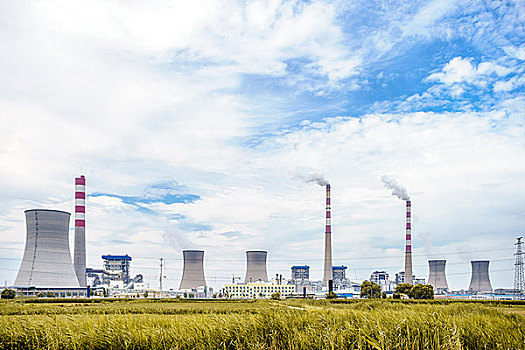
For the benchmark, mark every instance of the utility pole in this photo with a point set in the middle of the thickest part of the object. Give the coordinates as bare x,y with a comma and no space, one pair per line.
234,278
160,277
519,278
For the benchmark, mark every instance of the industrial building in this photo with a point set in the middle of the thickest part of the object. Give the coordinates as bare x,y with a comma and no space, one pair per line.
301,274
257,290
300,278
118,263
382,279
115,275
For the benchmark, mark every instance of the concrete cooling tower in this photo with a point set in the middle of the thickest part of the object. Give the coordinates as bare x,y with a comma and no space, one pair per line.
193,271
480,281
256,266
437,277
47,259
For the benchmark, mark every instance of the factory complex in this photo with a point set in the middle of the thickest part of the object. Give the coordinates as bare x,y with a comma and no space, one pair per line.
48,269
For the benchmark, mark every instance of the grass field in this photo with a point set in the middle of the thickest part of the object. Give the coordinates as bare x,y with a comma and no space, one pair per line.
262,324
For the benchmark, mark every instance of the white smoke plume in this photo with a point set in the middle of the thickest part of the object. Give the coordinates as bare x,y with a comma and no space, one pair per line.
398,190
176,238
313,177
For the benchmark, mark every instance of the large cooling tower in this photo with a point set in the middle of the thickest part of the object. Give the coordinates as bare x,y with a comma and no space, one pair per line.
480,281
437,277
47,259
193,272
256,266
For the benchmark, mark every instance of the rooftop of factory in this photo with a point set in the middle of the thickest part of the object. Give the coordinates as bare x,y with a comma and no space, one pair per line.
116,257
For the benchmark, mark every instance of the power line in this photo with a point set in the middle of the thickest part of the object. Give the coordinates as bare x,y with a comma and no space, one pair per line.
301,260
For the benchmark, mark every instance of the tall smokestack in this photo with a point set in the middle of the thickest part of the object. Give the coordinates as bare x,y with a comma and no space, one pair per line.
437,277
328,241
408,245
480,281
193,272
256,266
79,257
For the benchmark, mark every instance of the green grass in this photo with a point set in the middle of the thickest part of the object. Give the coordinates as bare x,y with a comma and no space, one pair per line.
292,324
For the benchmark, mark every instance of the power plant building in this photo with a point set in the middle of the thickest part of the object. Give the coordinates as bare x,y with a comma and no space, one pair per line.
193,270
339,273
258,290
118,263
256,266
382,279
301,273
437,276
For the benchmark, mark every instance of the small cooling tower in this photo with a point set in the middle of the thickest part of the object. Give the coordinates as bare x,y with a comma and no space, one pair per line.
47,258
256,266
437,277
480,281
193,271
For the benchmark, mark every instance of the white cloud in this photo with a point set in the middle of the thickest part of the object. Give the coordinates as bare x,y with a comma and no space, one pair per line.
457,70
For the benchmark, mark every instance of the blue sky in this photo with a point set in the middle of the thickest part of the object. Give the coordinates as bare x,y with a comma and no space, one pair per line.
193,121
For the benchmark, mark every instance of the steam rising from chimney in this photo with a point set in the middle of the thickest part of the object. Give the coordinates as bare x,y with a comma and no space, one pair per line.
398,189
313,177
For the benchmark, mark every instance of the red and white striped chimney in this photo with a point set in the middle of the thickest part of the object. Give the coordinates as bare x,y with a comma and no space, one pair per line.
408,244
79,259
80,201
328,275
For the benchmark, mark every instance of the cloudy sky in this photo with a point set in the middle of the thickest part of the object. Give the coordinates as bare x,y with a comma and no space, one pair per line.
194,122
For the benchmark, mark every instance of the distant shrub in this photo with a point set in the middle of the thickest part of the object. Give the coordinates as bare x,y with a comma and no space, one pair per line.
331,295
8,294
422,291
370,290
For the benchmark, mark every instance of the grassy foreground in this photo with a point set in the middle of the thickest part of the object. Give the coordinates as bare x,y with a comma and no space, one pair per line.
293,324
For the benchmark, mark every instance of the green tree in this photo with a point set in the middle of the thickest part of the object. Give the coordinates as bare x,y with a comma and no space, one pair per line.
370,290
8,294
276,296
40,295
383,295
422,291
331,295
404,288
50,294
